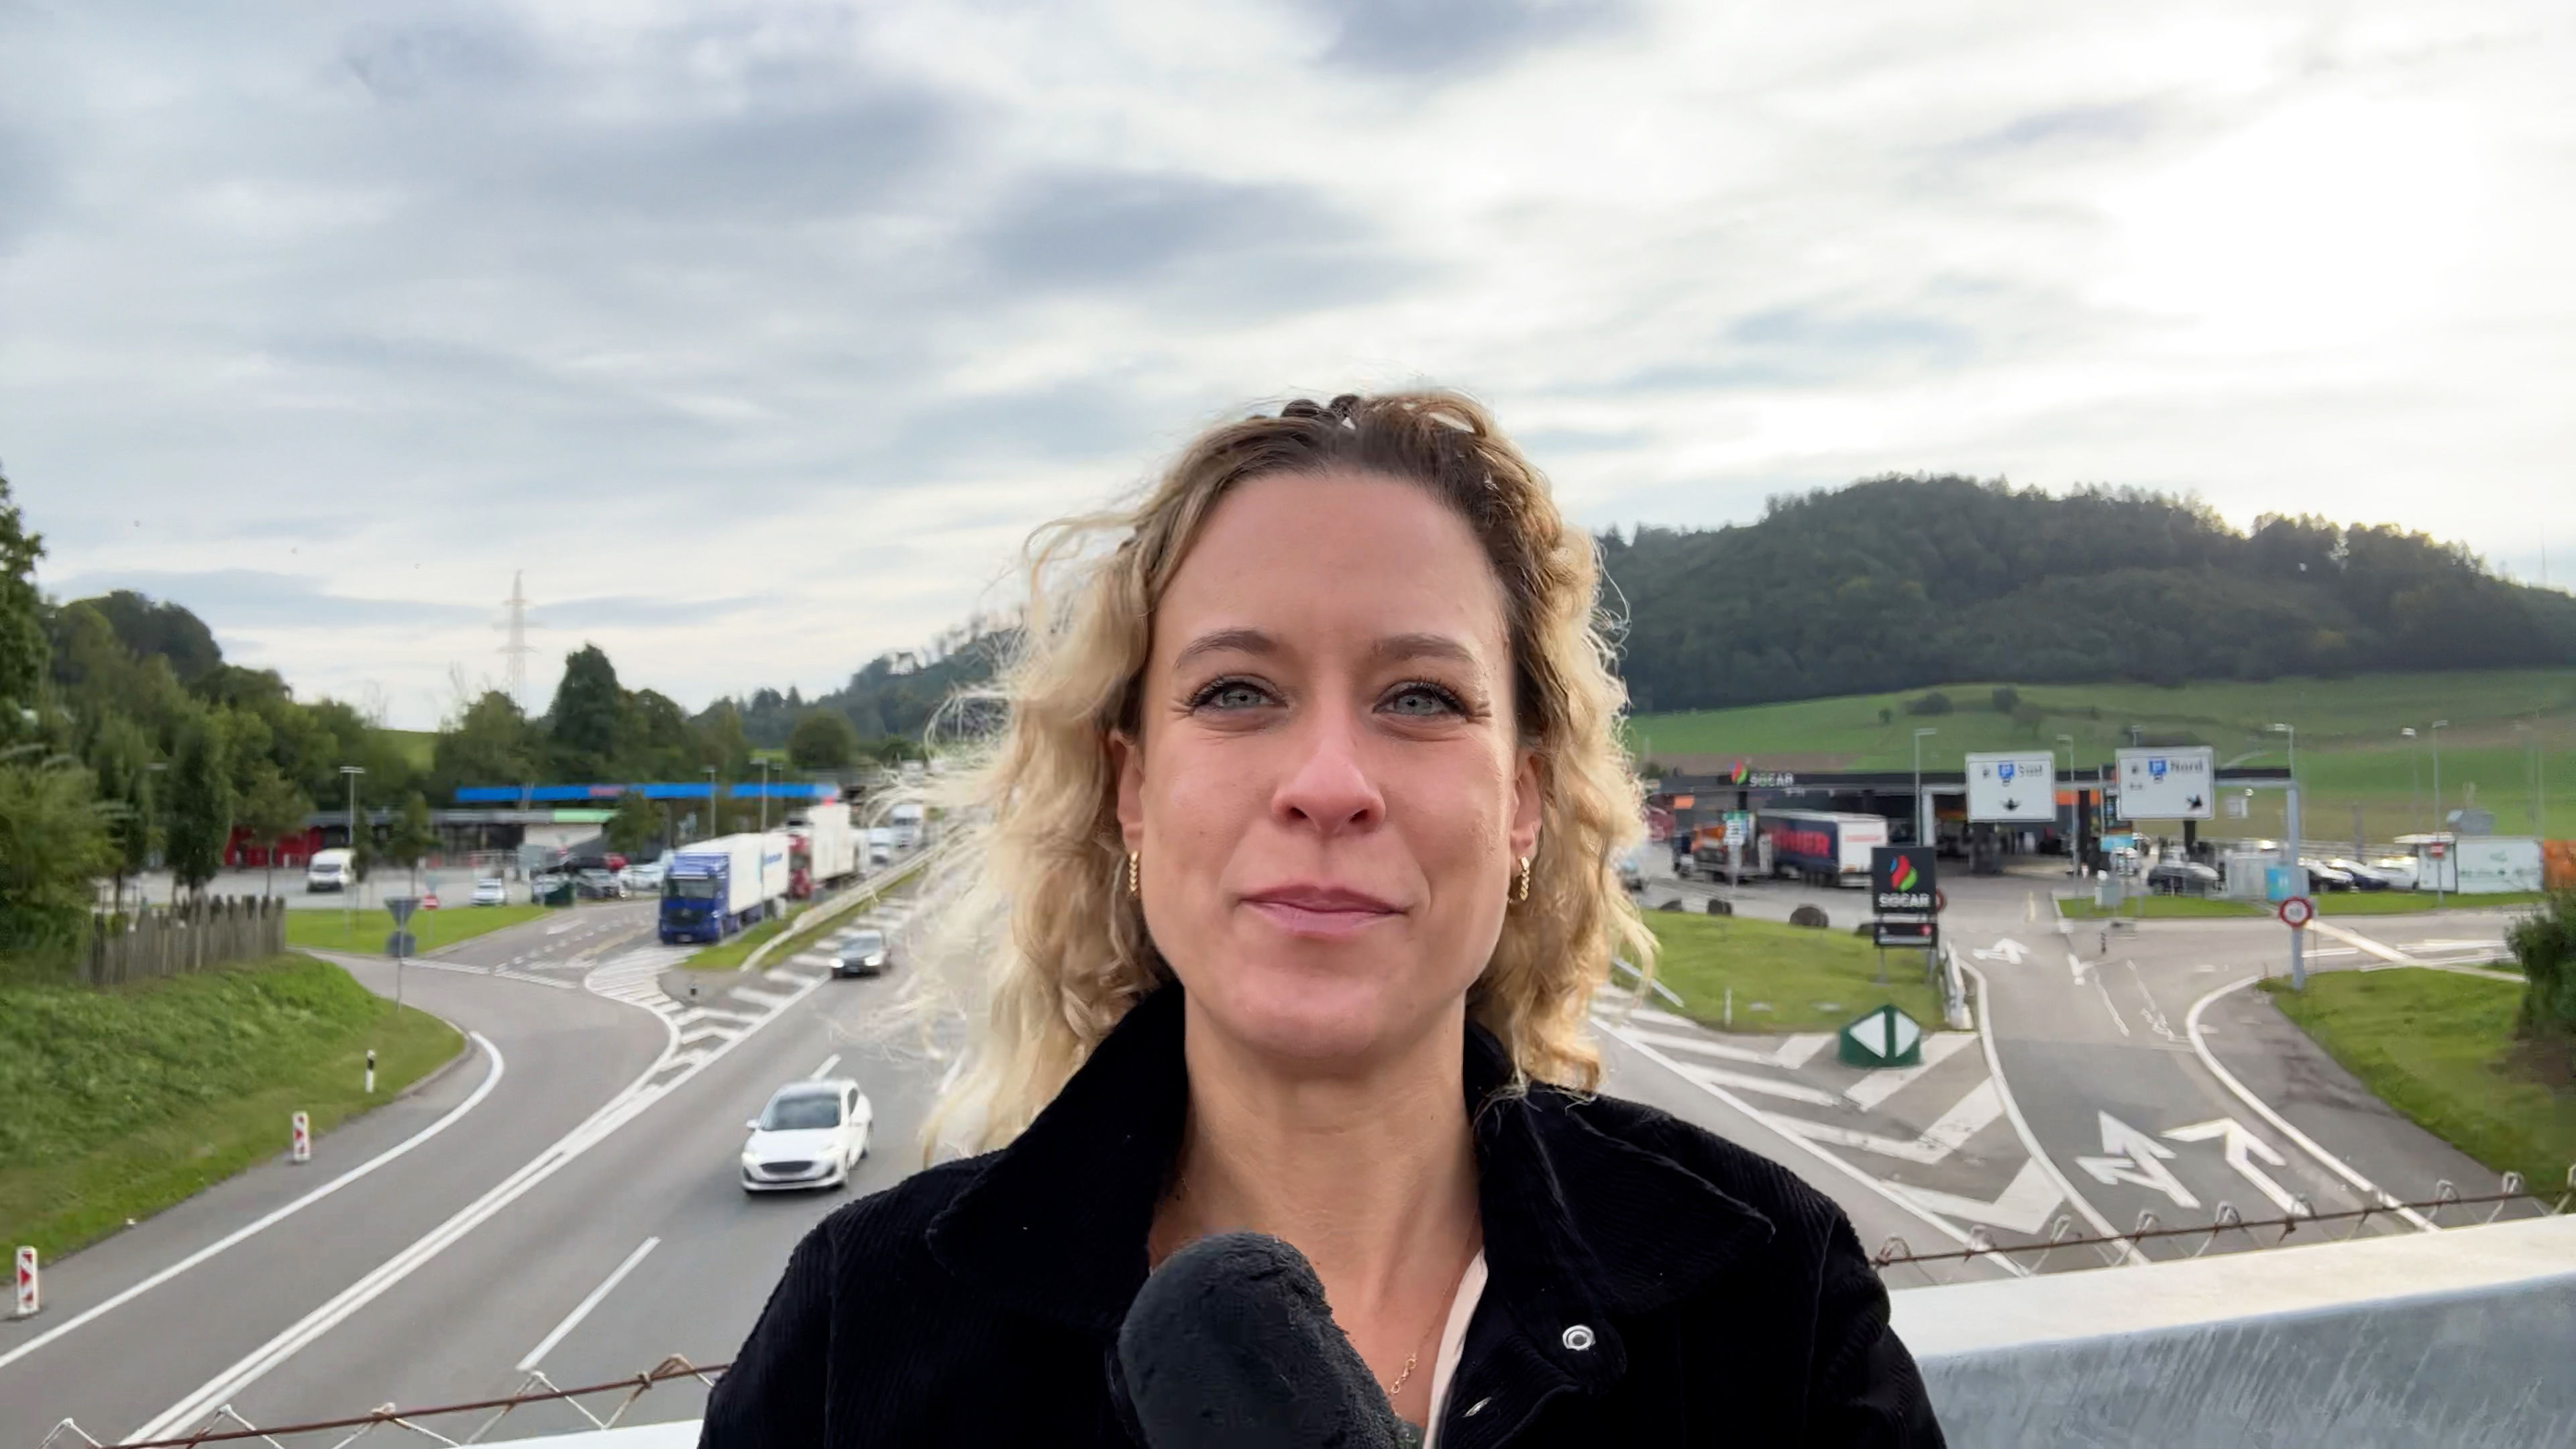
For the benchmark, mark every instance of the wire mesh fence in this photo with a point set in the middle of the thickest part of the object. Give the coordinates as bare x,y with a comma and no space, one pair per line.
225,1425
2446,1208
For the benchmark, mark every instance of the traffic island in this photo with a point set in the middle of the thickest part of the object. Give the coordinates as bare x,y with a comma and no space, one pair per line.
125,1100
1781,978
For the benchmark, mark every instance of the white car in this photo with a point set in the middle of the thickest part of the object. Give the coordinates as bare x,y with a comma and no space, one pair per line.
644,877
491,890
810,1135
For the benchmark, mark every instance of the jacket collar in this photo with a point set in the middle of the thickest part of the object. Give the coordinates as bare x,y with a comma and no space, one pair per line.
1580,1226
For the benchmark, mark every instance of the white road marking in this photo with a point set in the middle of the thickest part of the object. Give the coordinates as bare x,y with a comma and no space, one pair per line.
824,1070
1937,1224
2021,1125
1878,1086
1747,1082
2280,1124
581,1311
2154,1014
1967,1117
2242,1148
483,1089
2024,1206
2074,968
1793,1053
2134,1157
2107,1006
770,1000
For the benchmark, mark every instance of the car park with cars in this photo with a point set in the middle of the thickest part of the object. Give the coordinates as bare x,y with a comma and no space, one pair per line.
491,890
809,1135
598,885
2364,877
2181,878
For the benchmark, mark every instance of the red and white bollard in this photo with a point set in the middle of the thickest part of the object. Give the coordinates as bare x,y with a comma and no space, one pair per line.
302,1149
26,1284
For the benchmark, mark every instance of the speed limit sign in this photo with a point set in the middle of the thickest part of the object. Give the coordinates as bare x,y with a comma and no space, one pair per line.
2297,911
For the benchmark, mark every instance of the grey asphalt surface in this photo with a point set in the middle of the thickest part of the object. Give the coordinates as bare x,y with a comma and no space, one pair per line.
563,1053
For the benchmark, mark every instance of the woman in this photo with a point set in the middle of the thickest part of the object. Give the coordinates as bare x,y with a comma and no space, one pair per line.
1302,820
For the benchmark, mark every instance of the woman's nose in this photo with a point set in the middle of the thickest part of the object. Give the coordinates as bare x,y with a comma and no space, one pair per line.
1328,787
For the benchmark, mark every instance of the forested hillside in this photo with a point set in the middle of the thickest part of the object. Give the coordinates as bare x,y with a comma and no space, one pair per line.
1896,583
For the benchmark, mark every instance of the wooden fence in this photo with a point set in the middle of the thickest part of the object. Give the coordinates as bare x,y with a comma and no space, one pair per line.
192,936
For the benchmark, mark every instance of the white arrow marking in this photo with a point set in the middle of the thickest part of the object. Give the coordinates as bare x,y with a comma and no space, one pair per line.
2023,1208
2133,1157
1878,1086
2242,1148
1967,1117
2006,950
2074,968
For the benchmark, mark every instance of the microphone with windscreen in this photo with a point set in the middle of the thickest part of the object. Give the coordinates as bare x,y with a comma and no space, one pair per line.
1229,1343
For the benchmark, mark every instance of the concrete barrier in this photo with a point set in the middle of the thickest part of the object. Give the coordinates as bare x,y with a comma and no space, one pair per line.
2465,1337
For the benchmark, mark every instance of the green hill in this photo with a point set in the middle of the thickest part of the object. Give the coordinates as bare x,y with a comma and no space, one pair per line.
1901,583
2351,756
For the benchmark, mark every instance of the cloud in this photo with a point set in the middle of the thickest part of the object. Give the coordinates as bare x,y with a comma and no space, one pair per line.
250,599
760,335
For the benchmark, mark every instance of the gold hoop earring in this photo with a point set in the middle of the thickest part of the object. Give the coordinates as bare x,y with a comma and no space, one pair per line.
1131,872
1524,890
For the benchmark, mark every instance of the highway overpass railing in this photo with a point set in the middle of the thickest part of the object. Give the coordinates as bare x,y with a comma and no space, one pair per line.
2460,1338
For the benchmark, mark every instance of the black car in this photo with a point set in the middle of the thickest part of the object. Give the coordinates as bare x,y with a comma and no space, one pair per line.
598,885
867,952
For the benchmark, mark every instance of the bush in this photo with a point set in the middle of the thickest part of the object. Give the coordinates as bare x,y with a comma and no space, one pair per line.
53,844
2006,699
2545,943
1934,703
1718,907
1886,715
1809,916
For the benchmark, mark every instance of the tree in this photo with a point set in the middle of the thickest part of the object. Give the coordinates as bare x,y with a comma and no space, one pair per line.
589,717
412,837
822,740
120,765
53,847
1934,703
491,743
1886,715
201,806
22,627
273,810
2006,699
634,826
161,629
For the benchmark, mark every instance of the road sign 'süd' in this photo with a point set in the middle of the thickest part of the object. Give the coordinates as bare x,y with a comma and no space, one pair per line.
2010,788
1900,880
1886,1037
2168,784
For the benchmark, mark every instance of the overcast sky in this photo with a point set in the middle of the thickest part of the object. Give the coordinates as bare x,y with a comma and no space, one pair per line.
759,334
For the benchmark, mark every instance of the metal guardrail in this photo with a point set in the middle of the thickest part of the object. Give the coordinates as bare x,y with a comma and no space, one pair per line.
536,1388
1896,1252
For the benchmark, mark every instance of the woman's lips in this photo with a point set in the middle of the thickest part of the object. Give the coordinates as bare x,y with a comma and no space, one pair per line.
1320,912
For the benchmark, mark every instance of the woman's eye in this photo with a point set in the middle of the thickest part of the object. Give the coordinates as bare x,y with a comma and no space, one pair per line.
1231,694
1422,701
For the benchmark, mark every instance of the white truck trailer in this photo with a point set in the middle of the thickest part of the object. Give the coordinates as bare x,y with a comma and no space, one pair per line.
719,886
827,848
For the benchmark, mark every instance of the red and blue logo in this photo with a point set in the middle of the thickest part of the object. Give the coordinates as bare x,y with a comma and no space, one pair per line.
1905,877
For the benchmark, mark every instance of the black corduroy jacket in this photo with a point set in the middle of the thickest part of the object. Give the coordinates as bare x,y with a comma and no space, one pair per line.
1649,1284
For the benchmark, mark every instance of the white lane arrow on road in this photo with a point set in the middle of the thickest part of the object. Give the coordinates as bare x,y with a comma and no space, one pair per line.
2006,950
2023,1208
2136,1158
2242,1148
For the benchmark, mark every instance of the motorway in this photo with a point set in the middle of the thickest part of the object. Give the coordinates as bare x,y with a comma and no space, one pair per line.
577,1213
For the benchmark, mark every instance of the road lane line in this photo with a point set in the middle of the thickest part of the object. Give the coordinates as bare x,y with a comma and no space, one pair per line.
483,1089
1967,1117
2109,1007
1939,1225
615,1113
2021,1125
1878,1086
824,1070
2307,1144
581,1310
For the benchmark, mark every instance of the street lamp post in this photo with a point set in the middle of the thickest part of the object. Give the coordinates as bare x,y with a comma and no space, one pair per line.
2076,846
351,774
2414,778
711,803
2290,828
1922,831
764,797
2450,853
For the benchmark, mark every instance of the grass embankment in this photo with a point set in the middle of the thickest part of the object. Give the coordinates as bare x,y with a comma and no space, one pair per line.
321,930
2328,903
1785,978
729,953
126,1100
2439,1047
2350,752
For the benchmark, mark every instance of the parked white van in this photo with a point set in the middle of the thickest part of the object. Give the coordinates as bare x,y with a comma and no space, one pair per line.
329,870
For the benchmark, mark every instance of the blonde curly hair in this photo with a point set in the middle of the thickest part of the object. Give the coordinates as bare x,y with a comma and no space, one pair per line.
1031,930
